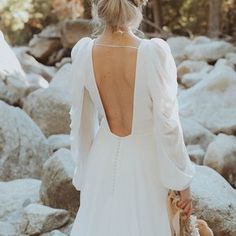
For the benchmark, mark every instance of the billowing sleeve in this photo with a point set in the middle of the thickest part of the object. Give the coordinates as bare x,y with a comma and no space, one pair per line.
174,165
83,115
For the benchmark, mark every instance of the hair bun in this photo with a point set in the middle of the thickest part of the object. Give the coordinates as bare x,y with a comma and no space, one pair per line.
139,3
117,14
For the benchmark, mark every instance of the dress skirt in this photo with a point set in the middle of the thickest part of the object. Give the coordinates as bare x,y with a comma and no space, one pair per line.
122,194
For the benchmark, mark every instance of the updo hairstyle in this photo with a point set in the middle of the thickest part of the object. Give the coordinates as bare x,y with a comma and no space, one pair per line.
116,14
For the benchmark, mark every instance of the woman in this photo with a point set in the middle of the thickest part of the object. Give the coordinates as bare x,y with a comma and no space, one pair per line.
126,137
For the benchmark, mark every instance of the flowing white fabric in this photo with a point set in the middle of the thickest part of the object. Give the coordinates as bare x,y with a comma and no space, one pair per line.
175,166
176,169
124,181
84,118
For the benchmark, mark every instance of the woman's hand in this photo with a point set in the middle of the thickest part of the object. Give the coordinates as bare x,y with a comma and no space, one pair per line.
185,202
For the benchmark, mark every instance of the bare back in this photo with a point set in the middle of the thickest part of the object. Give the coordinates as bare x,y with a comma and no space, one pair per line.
115,74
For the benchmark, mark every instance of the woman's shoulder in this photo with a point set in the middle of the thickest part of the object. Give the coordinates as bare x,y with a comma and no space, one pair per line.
159,44
79,45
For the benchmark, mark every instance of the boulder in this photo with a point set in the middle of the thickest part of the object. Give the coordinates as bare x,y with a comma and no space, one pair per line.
43,48
177,45
35,82
23,147
64,61
7,229
13,83
200,39
39,219
196,153
15,195
73,30
190,66
208,50
214,201
61,78
191,72
49,108
53,233
13,88
231,57
59,141
189,80
194,133
31,65
51,32
224,62
56,189
212,101
221,156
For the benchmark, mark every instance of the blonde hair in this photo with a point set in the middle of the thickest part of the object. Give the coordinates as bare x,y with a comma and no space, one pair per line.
116,14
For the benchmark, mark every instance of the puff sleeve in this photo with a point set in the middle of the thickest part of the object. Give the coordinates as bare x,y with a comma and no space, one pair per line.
83,114
174,165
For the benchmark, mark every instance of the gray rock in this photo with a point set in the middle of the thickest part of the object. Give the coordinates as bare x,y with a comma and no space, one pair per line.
35,81
13,88
208,50
231,57
190,66
191,72
49,108
23,147
51,31
59,141
64,61
221,156
196,154
212,101
224,62
194,133
61,78
53,233
7,229
214,201
73,30
38,219
13,83
14,196
43,48
178,45
56,189
189,80
31,65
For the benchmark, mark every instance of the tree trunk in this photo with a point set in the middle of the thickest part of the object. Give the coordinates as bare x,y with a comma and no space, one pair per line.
234,20
214,26
157,13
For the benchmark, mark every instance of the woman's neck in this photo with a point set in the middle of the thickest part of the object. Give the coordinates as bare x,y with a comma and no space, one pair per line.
119,35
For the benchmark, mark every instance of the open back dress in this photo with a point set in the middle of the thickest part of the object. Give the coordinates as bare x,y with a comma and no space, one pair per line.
124,180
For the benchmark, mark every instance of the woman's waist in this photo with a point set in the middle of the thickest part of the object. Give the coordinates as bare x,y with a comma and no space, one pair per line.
139,129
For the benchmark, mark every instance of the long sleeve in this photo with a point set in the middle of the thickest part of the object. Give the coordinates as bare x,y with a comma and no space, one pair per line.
174,165
83,114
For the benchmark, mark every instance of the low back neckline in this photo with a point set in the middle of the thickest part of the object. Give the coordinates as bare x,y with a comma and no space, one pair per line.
134,91
117,45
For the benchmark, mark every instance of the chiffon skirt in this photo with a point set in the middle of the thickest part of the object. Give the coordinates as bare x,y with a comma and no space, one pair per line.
122,194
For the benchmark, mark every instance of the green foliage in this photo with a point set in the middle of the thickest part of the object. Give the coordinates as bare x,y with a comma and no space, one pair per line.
185,16
21,18
191,17
87,8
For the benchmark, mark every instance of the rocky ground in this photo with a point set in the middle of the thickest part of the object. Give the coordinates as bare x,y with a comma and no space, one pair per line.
37,196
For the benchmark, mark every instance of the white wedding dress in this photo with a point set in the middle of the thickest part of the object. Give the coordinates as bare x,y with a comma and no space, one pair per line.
124,181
